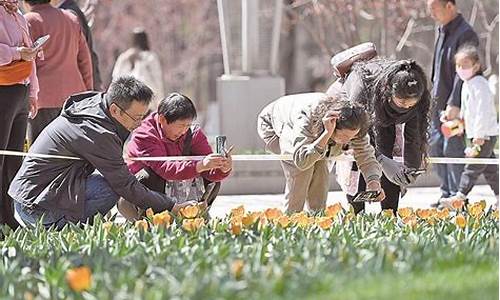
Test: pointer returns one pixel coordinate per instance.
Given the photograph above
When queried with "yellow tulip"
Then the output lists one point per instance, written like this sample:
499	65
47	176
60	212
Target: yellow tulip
476	210
79	279
332	210
495	214
190	212
238	211
149	212
482	203
404	212
299	219
284	221
324	222
107	226
237	268
460	221
142	224
162	219
389	213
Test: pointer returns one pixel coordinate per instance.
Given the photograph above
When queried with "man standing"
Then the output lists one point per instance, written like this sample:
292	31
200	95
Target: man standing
72	6
66	67
453	32
92	129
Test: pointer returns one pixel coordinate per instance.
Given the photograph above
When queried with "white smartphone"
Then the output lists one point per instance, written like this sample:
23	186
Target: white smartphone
41	41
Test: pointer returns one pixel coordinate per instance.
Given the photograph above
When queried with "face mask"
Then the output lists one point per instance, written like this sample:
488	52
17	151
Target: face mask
465	74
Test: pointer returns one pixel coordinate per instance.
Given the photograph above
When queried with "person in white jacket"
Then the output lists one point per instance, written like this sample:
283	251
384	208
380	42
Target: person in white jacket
479	114
143	64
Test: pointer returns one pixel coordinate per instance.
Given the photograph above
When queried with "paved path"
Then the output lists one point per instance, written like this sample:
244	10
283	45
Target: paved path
420	197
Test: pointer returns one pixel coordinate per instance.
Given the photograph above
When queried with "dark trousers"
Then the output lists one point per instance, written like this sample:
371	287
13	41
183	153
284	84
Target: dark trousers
13	120
391	191
472	172
42	119
441	147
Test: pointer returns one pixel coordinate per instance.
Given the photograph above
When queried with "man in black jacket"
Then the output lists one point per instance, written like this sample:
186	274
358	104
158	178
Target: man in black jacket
74	8
453	32
91	129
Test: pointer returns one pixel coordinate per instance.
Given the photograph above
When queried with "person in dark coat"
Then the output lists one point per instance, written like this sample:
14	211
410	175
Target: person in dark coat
453	32
91	130
394	92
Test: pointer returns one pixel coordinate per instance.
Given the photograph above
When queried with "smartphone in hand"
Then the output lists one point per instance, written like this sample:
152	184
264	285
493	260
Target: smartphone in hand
366	196
41	41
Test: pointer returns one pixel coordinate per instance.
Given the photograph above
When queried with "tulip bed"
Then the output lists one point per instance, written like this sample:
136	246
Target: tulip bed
421	254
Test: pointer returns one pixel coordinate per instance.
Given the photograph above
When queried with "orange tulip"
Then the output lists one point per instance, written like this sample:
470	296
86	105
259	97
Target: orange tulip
237	268
405	212
324	222
238	211
410	220
79	279
236	227
460	221
249	219
142	224
457	204
424	213
443	214
272	213
332	210
149	212
192	225
284	221
190	212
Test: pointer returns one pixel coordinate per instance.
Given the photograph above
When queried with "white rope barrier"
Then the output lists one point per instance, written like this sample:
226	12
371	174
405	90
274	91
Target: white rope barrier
263	157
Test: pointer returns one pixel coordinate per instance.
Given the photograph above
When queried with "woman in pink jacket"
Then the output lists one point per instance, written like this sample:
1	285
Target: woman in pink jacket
18	96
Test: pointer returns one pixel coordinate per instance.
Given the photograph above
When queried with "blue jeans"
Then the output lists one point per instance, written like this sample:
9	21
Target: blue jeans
442	147
99	198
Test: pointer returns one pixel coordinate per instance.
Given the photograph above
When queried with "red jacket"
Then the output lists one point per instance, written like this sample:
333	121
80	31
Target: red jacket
149	140
66	67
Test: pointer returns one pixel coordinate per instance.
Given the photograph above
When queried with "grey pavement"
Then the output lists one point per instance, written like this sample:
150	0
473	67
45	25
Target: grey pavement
418	197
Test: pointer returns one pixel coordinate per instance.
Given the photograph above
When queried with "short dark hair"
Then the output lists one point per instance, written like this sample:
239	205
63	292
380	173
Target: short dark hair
126	89
444	2
177	106
35	2
352	115
140	39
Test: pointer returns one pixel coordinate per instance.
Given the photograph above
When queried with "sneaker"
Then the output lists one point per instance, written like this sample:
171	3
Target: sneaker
436	204
454	202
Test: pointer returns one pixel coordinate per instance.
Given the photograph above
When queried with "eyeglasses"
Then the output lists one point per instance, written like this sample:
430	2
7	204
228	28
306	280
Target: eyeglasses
136	121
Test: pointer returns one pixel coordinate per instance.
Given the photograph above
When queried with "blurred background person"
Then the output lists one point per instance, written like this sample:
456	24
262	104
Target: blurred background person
142	63
66	67
73	7
453	32
18	96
